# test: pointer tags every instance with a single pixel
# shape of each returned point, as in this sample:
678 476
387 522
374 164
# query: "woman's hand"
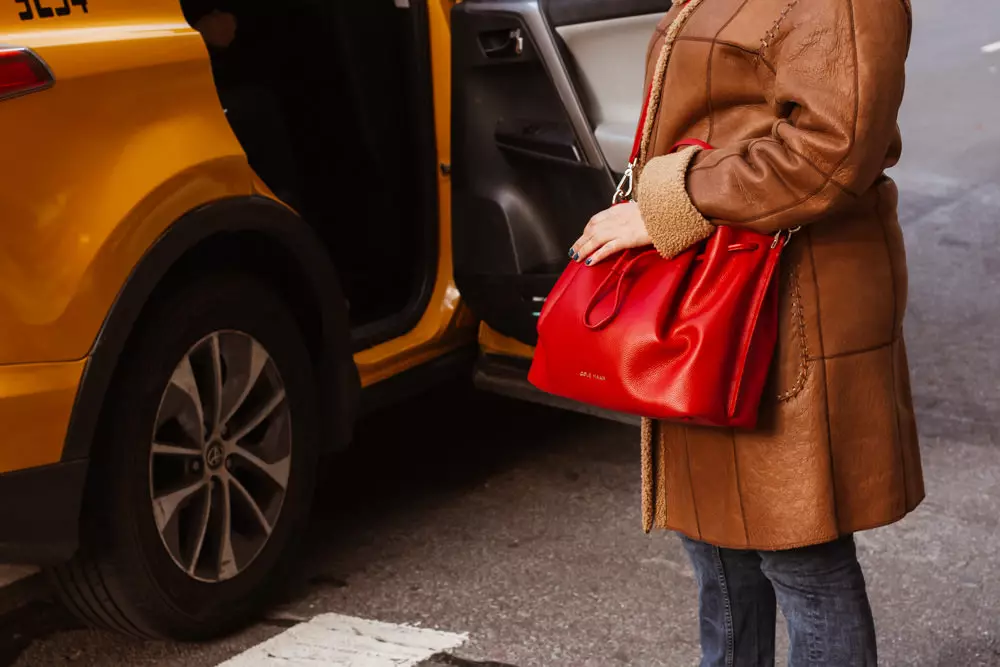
618 228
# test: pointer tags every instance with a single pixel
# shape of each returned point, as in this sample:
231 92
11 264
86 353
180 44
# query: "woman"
799 102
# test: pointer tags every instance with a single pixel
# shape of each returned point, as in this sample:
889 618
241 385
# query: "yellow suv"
230 226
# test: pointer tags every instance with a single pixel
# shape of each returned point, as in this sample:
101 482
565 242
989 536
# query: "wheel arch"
251 233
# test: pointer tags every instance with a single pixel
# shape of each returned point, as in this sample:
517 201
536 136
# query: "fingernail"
589 262
571 253
576 256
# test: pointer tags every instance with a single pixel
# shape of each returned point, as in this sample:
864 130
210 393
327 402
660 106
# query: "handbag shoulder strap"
637 145
626 186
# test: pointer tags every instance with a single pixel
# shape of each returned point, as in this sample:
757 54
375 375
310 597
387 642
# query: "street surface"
514 530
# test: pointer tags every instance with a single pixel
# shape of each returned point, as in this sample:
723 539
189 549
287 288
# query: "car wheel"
204 468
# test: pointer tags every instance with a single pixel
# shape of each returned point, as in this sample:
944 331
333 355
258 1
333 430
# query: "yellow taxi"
230 227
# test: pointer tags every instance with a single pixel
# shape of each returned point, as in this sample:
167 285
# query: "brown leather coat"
799 100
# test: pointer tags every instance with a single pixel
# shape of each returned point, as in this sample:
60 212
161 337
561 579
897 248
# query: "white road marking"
991 48
11 574
334 640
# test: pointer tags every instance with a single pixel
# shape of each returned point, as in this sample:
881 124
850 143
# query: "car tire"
154 562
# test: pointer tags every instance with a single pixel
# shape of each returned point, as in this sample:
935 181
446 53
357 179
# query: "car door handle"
537 139
502 43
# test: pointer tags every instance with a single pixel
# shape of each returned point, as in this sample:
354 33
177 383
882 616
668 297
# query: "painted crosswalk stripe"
334 640
991 48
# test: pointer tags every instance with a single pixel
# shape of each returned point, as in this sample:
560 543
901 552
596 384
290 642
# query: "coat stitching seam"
788 207
798 312
829 446
711 65
828 177
739 489
659 32
852 353
850 147
659 76
769 36
826 389
694 501
721 42
725 42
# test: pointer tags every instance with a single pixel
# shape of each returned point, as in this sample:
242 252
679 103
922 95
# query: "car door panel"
609 57
537 114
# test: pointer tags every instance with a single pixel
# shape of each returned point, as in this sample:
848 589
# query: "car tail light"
22 72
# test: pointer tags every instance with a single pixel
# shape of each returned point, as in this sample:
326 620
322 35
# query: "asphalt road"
520 526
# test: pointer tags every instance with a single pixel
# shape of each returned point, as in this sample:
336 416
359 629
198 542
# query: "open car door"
546 95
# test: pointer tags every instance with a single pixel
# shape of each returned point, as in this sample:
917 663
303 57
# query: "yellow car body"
121 173
94 173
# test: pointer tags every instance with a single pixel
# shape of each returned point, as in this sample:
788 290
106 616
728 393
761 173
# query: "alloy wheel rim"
220 456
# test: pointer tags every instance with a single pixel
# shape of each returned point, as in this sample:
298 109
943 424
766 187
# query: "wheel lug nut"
229 464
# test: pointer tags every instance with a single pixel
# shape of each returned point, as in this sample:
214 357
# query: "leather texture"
689 338
800 100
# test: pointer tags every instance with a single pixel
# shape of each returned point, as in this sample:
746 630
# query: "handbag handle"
618 268
622 273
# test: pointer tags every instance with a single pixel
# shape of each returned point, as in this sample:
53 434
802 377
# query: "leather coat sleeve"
838 84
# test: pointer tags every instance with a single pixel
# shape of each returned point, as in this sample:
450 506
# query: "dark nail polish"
576 256
571 253
589 262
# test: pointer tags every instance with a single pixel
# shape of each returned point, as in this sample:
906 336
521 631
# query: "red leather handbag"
686 339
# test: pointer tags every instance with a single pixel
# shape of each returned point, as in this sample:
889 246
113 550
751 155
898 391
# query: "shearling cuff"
671 218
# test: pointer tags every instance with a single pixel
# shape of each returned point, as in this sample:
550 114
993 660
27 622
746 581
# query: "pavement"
516 528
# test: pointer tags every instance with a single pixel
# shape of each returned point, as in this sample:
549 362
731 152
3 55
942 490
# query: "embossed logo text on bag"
592 376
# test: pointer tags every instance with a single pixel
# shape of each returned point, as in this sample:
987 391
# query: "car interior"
330 102
546 95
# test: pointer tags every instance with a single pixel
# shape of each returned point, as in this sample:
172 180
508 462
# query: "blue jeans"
822 594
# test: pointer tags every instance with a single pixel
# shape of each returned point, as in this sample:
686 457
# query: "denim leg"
736 607
822 593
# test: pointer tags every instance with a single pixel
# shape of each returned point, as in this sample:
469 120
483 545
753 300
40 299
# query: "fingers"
602 253
576 251
608 232
602 228
594 243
